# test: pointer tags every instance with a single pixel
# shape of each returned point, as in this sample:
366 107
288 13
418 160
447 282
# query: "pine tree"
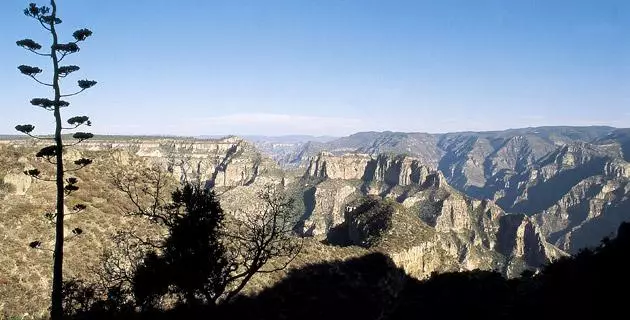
47 18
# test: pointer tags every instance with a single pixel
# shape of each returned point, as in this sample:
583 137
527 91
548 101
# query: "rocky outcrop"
533 171
464 160
528 171
20 183
346 167
345 177
586 212
326 208
396 170
482 226
520 239
389 169
467 235
426 225
617 169
560 188
226 162
422 260
517 153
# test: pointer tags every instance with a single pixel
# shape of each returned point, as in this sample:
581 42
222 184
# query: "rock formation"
548 173
459 233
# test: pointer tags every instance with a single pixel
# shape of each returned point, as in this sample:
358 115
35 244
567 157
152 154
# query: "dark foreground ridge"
591 284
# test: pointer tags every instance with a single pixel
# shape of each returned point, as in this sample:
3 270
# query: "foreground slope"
429 226
589 285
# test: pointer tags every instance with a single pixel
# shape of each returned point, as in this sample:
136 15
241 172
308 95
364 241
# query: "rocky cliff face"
564 191
326 204
558 181
433 228
388 169
531 171
589 210
226 162
346 167
341 178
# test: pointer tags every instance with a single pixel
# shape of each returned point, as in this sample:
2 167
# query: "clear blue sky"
332 67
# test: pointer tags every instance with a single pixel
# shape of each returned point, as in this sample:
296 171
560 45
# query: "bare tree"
146 187
48 19
261 236
253 239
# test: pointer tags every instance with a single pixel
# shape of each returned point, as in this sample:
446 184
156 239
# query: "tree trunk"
56 311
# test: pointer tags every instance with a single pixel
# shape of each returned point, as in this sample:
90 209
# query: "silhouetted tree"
253 239
79 297
192 265
48 19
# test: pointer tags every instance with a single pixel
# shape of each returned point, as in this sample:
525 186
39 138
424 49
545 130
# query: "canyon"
507 201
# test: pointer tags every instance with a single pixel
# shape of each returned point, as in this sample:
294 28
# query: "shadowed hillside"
588 285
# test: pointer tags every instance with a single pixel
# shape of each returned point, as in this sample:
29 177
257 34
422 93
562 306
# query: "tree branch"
45 249
145 242
72 94
74 143
42 179
43 24
46 84
75 169
39 53
292 257
36 137
49 160
63 55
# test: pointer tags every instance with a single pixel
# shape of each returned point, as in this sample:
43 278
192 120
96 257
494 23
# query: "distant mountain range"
429 146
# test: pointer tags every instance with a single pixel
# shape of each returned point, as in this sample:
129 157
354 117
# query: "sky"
328 67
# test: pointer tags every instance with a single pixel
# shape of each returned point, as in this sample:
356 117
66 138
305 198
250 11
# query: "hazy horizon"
331 67
329 137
